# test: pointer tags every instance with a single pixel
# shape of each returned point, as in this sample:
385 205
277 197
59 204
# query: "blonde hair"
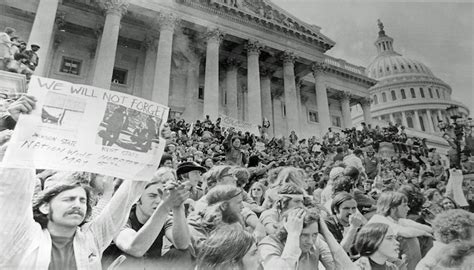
290 175
158 176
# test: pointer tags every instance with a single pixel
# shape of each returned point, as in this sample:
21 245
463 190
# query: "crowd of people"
222 199
14 55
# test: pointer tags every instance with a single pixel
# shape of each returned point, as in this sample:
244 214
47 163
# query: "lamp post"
455 131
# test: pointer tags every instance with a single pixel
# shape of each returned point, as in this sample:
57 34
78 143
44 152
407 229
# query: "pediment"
269 15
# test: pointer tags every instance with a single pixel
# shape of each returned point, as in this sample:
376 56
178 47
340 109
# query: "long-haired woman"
229 247
377 245
257 192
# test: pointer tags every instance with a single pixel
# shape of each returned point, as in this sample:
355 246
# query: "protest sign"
227 121
84 128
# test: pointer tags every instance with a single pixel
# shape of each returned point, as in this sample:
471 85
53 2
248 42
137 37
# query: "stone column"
150 45
291 101
253 82
245 104
404 119
365 104
392 119
346 109
161 84
42 32
416 120
440 116
266 96
93 49
192 88
240 104
321 97
429 119
211 83
105 60
232 66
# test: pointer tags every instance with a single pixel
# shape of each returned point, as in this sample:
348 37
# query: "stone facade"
407 93
246 59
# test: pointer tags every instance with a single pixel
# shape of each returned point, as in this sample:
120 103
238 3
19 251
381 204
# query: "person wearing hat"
190 173
33 58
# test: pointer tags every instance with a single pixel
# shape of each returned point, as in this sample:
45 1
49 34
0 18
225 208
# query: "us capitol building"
250 60
407 93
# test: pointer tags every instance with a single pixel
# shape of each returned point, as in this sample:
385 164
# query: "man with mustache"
55 233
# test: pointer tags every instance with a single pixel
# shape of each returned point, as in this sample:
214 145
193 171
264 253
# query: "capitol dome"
394 64
407 93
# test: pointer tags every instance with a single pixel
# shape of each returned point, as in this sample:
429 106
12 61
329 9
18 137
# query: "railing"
340 63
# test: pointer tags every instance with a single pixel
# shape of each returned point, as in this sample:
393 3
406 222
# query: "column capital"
266 71
231 63
318 68
215 35
345 95
167 21
277 92
150 42
253 47
288 58
118 7
365 101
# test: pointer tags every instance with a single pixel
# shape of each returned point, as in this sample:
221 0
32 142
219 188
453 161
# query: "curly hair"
342 183
454 254
455 224
48 195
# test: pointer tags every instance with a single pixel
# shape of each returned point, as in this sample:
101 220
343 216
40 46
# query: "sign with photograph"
227 122
85 128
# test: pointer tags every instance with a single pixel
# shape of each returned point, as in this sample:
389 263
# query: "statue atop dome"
381 32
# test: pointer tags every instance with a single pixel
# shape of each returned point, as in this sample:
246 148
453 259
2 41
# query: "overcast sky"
440 34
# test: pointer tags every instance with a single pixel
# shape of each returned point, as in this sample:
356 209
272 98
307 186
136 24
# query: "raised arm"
137 243
355 221
18 227
180 235
114 216
289 257
341 259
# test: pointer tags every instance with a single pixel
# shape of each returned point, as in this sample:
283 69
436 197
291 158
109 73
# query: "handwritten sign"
84 128
227 121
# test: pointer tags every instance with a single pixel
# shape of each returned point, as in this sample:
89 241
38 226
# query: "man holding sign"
56 233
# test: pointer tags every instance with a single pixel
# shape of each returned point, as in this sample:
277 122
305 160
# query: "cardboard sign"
227 121
84 128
